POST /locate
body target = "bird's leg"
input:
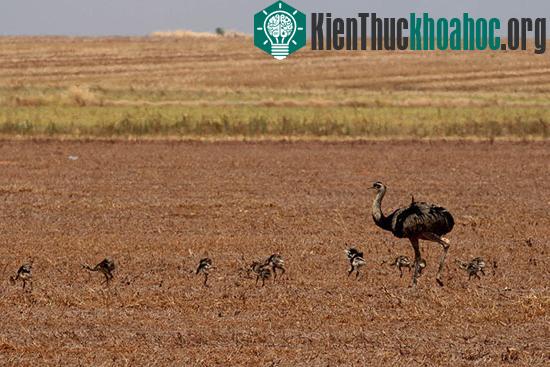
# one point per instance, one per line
(106, 281)
(205, 278)
(24, 283)
(482, 272)
(445, 243)
(417, 258)
(274, 270)
(350, 270)
(357, 274)
(401, 271)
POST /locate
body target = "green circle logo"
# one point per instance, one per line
(280, 30)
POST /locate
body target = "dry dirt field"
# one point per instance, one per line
(157, 207)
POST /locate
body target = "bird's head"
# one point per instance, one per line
(378, 186)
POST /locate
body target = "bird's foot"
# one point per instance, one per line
(439, 282)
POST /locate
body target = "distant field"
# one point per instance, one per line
(216, 86)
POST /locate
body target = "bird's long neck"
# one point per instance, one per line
(377, 214)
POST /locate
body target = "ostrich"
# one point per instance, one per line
(106, 267)
(204, 267)
(418, 221)
(356, 261)
(275, 261)
(404, 262)
(24, 273)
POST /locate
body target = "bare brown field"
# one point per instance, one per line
(157, 207)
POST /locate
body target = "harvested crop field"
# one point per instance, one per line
(157, 207)
(223, 86)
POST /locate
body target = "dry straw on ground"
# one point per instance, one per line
(157, 207)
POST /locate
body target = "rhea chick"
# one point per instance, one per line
(356, 261)
(404, 262)
(105, 267)
(262, 271)
(275, 261)
(474, 267)
(205, 265)
(24, 273)
(254, 267)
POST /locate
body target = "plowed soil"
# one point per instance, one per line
(157, 207)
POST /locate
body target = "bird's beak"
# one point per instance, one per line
(370, 188)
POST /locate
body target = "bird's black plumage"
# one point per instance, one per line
(418, 218)
(24, 270)
(353, 252)
(356, 260)
(204, 265)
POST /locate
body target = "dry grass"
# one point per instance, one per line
(186, 84)
(74, 95)
(158, 207)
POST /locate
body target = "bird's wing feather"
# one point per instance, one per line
(353, 252)
(421, 218)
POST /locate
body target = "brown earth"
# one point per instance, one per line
(157, 207)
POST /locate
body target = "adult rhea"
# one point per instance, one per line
(418, 221)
